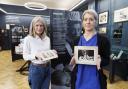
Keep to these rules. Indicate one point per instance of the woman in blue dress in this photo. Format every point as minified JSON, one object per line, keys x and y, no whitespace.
{"x":91,"y":76}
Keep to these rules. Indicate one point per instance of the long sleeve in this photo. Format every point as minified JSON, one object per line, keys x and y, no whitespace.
{"x":106,"y":53}
{"x":34,"y":45}
{"x":27,"y":55}
{"x":104,"y":50}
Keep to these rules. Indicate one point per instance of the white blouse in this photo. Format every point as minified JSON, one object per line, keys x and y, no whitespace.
{"x":33,"y":45}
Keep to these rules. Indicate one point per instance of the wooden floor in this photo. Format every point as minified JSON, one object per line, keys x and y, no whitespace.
{"x":10,"y":79}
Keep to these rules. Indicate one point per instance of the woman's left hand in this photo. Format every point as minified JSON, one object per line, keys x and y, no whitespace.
{"x":54,"y":51}
{"x":98,"y":62}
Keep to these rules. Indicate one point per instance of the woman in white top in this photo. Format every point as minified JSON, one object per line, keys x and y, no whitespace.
{"x":34,"y":43}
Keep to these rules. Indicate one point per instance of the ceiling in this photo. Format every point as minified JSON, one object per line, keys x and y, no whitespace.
{"x":51,"y":4}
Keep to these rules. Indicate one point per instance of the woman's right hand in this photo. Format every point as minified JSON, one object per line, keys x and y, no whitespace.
{"x":72,"y":62}
{"x":38,"y":55}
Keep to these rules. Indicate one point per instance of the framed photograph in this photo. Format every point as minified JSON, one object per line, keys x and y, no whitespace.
{"x":7,"y":26}
{"x":121,"y":15}
{"x":25,"y":29}
{"x":86,"y":54}
{"x":103,"y":18}
{"x":48,"y":55}
{"x":19,"y":29}
{"x":102,"y":30}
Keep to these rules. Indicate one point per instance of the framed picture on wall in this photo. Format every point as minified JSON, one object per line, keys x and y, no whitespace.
{"x":121,"y":15}
{"x":102,"y":30}
{"x":7,"y":26}
{"x":103,"y":18}
{"x":19,"y":29}
{"x":25,"y":29}
{"x":86,"y":54}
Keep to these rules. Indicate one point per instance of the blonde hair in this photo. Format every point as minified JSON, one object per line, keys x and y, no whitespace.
{"x":33,"y":22}
{"x":92,"y":12}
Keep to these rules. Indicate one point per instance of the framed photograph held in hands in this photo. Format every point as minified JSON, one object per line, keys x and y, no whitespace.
{"x":48,"y":55}
{"x":86,"y":54}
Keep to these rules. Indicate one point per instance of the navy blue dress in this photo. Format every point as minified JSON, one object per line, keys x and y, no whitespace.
{"x":87,"y":75}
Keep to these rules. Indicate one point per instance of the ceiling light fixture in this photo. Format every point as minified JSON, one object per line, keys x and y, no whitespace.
{"x":77,"y":5}
{"x":35,"y":6}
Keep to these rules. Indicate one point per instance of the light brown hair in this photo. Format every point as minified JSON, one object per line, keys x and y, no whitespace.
{"x":92,"y":12}
{"x":33,"y":22}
